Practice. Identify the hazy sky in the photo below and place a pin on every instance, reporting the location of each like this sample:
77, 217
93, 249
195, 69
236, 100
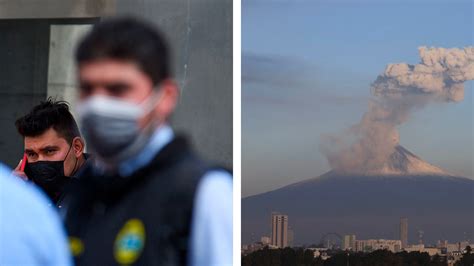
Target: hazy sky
306, 71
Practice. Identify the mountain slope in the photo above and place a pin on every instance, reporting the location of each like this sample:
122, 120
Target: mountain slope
403, 162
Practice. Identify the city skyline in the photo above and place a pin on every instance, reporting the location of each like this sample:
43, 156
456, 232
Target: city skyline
280, 230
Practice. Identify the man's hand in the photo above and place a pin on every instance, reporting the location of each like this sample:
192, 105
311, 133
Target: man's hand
20, 172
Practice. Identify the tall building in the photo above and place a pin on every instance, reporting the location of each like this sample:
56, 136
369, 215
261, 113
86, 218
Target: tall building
279, 230
349, 242
291, 237
404, 231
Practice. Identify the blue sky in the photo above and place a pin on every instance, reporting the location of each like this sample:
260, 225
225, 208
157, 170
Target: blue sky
306, 71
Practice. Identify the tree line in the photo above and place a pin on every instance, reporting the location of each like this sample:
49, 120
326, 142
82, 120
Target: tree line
304, 257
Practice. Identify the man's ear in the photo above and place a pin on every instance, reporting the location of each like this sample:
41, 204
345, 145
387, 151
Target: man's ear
169, 98
78, 146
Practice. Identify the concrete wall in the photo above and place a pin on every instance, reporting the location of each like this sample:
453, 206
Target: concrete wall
14, 9
200, 35
62, 70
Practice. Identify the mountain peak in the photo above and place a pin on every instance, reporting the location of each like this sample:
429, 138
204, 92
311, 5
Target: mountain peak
403, 162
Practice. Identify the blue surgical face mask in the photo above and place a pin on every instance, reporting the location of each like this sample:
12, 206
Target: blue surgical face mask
110, 126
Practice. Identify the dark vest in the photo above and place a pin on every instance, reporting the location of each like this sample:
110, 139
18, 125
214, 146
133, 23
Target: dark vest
143, 219
58, 199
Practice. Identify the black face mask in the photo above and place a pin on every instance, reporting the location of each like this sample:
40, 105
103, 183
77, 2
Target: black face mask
49, 175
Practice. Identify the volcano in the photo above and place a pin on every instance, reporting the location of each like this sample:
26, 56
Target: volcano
370, 204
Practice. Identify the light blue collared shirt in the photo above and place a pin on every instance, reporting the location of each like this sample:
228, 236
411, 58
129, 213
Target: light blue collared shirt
31, 232
211, 228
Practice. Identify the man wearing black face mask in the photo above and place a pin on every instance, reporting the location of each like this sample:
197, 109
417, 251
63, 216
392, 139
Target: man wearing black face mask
54, 148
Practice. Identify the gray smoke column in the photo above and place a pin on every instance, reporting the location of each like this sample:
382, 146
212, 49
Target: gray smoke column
397, 93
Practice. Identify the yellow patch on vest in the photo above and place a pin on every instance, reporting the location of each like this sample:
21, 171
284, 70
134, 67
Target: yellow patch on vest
76, 246
129, 242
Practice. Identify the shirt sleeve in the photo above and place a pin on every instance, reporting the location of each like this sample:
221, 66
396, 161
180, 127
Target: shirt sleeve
31, 232
211, 232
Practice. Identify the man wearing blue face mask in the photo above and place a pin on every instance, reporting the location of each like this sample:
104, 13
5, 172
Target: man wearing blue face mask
150, 200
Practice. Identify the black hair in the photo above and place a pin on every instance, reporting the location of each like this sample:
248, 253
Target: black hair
49, 114
127, 38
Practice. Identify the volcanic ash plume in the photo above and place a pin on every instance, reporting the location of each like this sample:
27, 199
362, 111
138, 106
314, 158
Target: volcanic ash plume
401, 89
